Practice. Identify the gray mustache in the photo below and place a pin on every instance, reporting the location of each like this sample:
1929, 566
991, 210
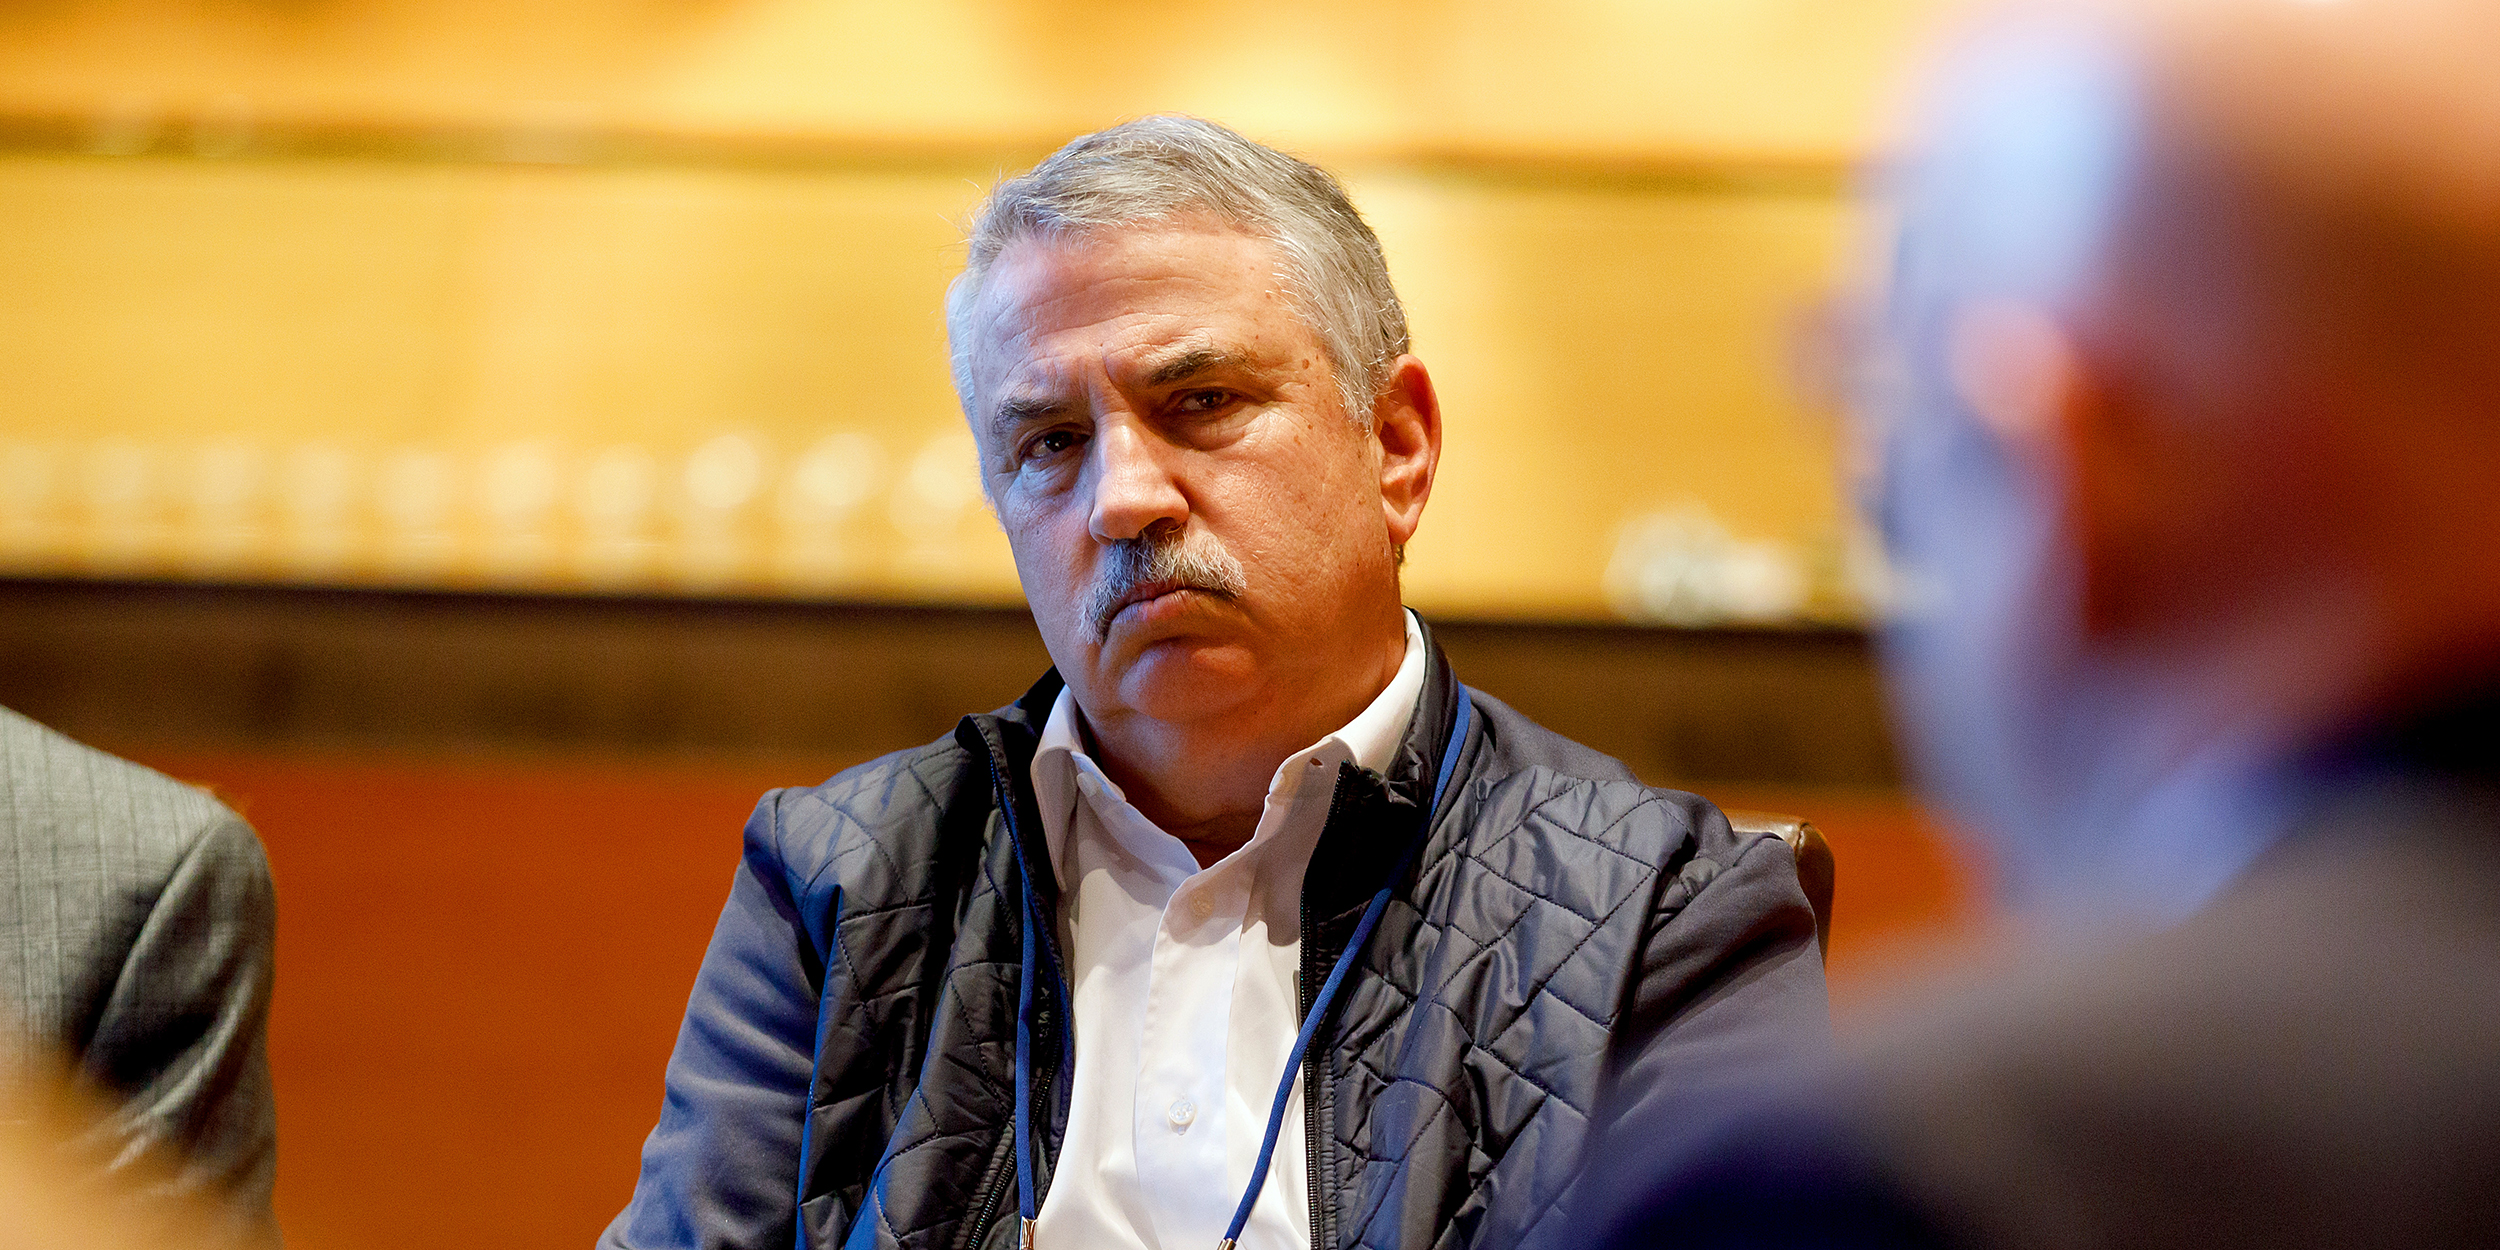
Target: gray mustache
1159, 557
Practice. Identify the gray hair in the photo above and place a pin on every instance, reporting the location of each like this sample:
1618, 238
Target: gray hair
1160, 169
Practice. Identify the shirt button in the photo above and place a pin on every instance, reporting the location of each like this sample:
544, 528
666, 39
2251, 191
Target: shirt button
1182, 1115
1202, 907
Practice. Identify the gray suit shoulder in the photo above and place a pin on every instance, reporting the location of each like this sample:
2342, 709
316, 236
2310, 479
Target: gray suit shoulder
137, 940
70, 811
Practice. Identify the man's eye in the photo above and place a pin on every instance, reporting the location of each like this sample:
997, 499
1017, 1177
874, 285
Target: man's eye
1048, 443
1203, 401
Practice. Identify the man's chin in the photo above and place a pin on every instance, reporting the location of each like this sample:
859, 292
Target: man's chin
1178, 678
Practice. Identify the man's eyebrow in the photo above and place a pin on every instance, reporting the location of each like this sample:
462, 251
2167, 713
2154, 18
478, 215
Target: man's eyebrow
1024, 410
1192, 361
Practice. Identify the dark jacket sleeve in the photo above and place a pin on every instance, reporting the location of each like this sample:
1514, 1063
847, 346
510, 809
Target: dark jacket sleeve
721, 1169
1729, 998
183, 1036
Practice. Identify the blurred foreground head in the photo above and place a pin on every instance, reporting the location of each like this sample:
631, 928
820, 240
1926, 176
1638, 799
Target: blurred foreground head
57, 1194
2189, 439
2188, 457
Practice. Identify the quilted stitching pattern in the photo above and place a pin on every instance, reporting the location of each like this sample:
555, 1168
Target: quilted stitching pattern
1465, 1060
1473, 1037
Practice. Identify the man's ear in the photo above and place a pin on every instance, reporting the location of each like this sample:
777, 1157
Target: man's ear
1406, 424
2076, 450
2015, 368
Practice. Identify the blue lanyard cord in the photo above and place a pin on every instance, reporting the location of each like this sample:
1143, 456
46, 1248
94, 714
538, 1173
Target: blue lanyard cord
1023, 1128
1025, 1207
1336, 979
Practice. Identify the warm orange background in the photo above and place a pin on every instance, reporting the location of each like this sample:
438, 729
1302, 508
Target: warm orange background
482, 963
642, 297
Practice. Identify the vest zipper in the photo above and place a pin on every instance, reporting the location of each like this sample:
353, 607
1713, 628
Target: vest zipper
1315, 967
997, 1196
1313, 1068
1041, 1105
988, 1210
1004, 794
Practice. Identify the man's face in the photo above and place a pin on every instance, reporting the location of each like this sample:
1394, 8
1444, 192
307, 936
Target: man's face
2048, 738
1197, 521
1972, 651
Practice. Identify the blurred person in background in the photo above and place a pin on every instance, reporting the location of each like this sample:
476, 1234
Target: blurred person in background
137, 941
1100, 970
2190, 451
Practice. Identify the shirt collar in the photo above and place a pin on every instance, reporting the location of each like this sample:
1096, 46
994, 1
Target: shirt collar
1371, 740
1375, 732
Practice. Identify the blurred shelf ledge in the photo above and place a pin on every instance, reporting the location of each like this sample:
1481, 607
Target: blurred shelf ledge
331, 669
209, 135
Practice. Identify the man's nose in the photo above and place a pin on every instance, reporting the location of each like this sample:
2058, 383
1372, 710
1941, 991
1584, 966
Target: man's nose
1134, 489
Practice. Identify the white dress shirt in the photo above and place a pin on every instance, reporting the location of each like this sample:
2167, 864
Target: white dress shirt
1185, 994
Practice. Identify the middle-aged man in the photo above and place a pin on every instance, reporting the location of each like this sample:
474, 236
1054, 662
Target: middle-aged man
2194, 452
1248, 920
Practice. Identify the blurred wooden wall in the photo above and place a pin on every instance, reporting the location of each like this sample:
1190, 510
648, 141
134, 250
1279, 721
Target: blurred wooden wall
644, 298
